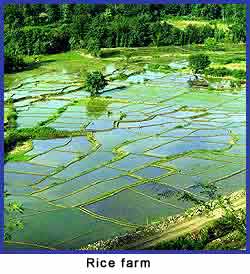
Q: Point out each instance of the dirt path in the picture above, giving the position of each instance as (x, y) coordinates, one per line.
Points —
(176, 230)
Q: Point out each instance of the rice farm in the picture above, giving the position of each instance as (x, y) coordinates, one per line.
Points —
(124, 127)
(137, 148)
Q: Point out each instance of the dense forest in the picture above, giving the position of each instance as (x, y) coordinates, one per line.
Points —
(47, 28)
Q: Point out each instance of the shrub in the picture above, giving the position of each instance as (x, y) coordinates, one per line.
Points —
(95, 81)
(211, 44)
(94, 47)
(13, 63)
(222, 72)
(199, 62)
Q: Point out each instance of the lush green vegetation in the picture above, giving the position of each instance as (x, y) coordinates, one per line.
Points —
(223, 71)
(13, 137)
(95, 81)
(199, 62)
(13, 217)
(40, 29)
(13, 63)
(224, 233)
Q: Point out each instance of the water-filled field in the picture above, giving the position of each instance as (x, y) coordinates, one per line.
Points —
(120, 173)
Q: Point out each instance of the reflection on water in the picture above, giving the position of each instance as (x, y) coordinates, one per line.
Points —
(97, 106)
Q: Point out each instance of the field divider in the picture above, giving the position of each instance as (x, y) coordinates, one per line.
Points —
(109, 194)
(104, 218)
(86, 187)
(154, 199)
(30, 244)
(70, 163)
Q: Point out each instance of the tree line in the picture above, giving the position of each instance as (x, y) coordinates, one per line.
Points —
(48, 28)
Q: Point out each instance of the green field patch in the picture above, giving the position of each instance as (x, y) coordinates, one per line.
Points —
(78, 94)
(221, 172)
(71, 120)
(110, 139)
(164, 193)
(100, 125)
(103, 231)
(10, 245)
(48, 182)
(241, 140)
(136, 107)
(54, 158)
(29, 111)
(218, 156)
(76, 108)
(235, 106)
(205, 100)
(151, 172)
(78, 183)
(140, 146)
(179, 181)
(90, 162)
(233, 183)
(180, 147)
(239, 130)
(150, 94)
(236, 150)
(96, 191)
(73, 114)
(134, 161)
(130, 117)
(78, 145)
(23, 103)
(13, 189)
(23, 167)
(132, 207)
(152, 130)
(158, 120)
(29, 121)
(20, 179)
(50, 104)
(42, 146)
(187, 114)
(211, 139)
(178, 132)
(31, 203)
(66, 127)
(192, 166)
(57, 230)
(164, 109)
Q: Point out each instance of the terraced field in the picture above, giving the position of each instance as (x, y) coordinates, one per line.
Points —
(140, 147)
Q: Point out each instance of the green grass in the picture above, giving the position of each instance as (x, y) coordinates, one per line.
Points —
(15, 137)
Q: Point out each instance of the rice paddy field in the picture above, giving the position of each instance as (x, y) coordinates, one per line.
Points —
(119, 173)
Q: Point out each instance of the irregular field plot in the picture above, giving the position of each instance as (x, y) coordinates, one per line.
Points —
(42, 146)
(59, 231)
(94, 192)
(81, 182)
(132, 207)
(141, 147)
(93, 160)
(54, 158)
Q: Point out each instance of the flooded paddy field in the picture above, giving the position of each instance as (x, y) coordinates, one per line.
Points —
(119, 173)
